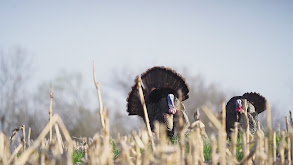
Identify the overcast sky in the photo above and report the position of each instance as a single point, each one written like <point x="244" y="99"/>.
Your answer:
<point x="242" y="45"/>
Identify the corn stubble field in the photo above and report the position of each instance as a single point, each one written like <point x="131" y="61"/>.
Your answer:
<point x="54" y="145"/>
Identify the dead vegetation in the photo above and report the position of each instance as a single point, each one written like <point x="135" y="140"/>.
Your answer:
<point x="55" y="145"/>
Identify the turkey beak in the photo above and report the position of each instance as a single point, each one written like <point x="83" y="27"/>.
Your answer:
<point x="171" y="105"/>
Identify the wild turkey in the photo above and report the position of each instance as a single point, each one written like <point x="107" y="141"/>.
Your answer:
<point x="164" y="90"/>
<point x="251" y="102"/>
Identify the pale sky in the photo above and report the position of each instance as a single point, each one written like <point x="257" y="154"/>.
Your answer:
<point x="242" y="45"/>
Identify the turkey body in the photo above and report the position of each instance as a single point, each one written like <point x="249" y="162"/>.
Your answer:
<point x="162" y="88"/>
<point x="252" y="103"/>
<point x="158" y="111"/>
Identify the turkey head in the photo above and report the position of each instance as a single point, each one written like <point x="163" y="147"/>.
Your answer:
<point x="162" y="89"/>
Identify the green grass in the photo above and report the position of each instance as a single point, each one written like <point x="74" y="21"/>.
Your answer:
<point x="239" y="153"/>
<point x="174" y="140"/>
<point x="206" y="148"/>
<point x="115" y="150"/>
<point x="207" y="151"/>
<point x="77" y="156"/>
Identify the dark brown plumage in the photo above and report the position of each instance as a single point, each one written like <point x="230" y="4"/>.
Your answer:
<point x="258" y="101"/>
<point x="157" y="83"/>
<point x="252" y="102"/>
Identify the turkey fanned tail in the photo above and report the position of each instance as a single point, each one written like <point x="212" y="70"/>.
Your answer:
<point x="134" y="106"/>
<point x="258" y="101"/>
<point x="157" y="82"/>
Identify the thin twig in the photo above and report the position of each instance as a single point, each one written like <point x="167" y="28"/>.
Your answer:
<point x="146" y="116"/>
<point x="274" y="147"/>
<point x="99" y="97"/>
<point x="291" y="117"/>
<point x="287" y="124"/>
<point x="15" y="152"/>
<point x="50" y="113"/>
<point x="4" y="149"/>
<point x="59" y="139"/>
<point x="224" y="115"/>
<point x="29" y="136"/>
<point x="222" y="134"/>
<point x="23" y="137"/>
<point x="270" y="134"/>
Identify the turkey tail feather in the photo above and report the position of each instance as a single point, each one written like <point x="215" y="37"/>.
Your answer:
<point x="134" y="106"/>
<point x="159" y="77"/>
<point x="156" y="82"/>
<point x="258" y="101"/>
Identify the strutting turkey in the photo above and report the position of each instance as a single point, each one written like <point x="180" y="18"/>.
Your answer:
<point x="164" y="90"/>
<point x="253" y="103"/>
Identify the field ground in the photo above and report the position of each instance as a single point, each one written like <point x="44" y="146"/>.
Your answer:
<point x="55" y="146"/>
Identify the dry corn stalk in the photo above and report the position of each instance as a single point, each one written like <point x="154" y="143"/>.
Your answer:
<point x="29" y="136"/>
<point x="146" y="116"/>
<point x="99" y="97"/>
<point x="59" y="139"/>
<point x="4" y="149"/>
<point x="55" y="119"/>
<point x="50" y="112"/>
<point x="23" y="137"/>
<point x="221" y="134"/>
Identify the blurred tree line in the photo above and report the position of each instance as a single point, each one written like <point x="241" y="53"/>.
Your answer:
<point x="19" y="105"/>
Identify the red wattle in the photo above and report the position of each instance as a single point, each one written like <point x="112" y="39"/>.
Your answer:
<point x="238" y="109"/>
<point x="172" y="111"/>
